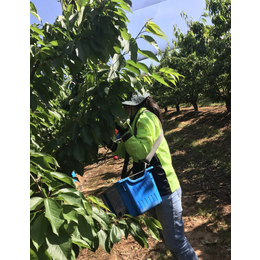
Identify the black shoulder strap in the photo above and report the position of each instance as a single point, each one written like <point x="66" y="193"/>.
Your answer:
<point x="124" y="172"/>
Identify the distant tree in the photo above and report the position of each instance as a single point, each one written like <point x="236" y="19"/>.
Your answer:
<point x="203" y="57"/>
<point x="187" y="58"/>
<point x="219" y="88"/>
<point x="167" y="96"/>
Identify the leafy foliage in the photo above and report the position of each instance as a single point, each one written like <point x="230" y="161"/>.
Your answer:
<point x="78" y="78"/>
<point x="63" y="220"/>
<point x="203" y="57"/>
<point x="220" y="80"/>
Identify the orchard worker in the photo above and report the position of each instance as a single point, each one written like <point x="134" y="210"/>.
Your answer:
<point x="137" y="142"/>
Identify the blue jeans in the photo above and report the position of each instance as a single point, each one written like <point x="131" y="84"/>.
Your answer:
<point x="169" y="213"/>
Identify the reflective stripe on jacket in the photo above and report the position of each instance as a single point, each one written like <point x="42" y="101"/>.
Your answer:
<point x="138" y="147"/>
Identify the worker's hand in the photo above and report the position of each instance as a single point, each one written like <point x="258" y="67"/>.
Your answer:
<point x="121" y="129"/>
<point x="111" y="145"/>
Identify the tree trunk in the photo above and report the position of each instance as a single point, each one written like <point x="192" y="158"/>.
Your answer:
<point x="194" y="103"/>
<point x="228" y="104"/>
<point x="177" y="107"/>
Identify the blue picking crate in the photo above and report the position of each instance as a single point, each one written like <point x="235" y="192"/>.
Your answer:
<point x="133" y="197"/>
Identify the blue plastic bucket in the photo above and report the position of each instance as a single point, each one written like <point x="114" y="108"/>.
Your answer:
<point x="133" y="197"/>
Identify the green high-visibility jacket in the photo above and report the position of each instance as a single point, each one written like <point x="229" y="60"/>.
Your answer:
<point x="138" y="142"/>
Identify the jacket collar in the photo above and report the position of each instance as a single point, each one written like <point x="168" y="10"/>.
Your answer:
<point x="136" y="114"/>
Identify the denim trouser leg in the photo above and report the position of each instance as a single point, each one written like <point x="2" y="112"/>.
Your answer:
<point x="169" y="213"/>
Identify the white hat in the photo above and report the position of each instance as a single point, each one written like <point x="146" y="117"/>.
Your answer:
<point x="136" y="99"/>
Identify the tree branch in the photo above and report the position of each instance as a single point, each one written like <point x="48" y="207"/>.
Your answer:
<point x="38" y="186"/>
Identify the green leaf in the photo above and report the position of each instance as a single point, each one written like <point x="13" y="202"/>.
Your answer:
<point x="124" y="33"/>
<point x="104" y="241"/>
<point x="66" y="33"/>
<point x="33" y="255"/>
<point x="79" y="151"/>
<point x="135" y="83"/>
<point x="133" y="69"/>
<point x="33" y="102"/>
<point x="69" y="213"/>
<point x="112" y="74"/>
<point x="72" y="190"/>
<point x="35" y="202"/>
<point x="51" y="145"/>
<point x="151" y="228"/>
<point x="86" y="135"/>
<point x="32" y="7"/>
<point x="59" y="247"/>
<point x="133" y="49"/>
<point x="87" y="207"/>
<point x="139" y="235"/>
<point x="115" y="234"/>
<point x="85" y="228"/>
<point x="124" y="227"/>
<point x="82" y="50"/>
<point x="124" y="6"/>
<point x="37" y="30"/>
<point x="36" y="15"/>
<point x="57" y="43"/>
<point x="170" y="71"/>
<point x="72" y="19"/>
<point x="138" y="65"/>
<point x="151" y="41"/>
<point x="55" y="114"/>
<point x="74" y="65"/>
<point x="63" y="177"/>
<point x="34" y="12"/>
<point x="148" y="54"/>
<point x="155" y="29"/>
<point x="68" y="47"/>
<point x="71" y="199"/>
<point x="138" y="239"/>
<point x="101" y="217"/>
<point x="80" y="16"/>
<point x="125" y="45"/>
<point x="98" y="202"/>
<point x="83" y="2"/>
<point x="76" y="239"/>
<point x="156" y="223"/>
<point x="100" y="73"/>
<point x="43" y="254"/>
<point x="118" y="111"/>
<point x="118" y="62"/>
<point x="57" y="63"/>
<point x="44" y="161"/>
<point x="38" y="231"/>
<point x="160" y="79"/>
<point x="170" y="75"/>
<point x="96" y="130"/>
<point x="102" y="236"/>
<point x="53" y="214"/>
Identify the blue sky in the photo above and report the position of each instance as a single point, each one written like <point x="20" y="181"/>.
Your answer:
<point x="165" y="14"/>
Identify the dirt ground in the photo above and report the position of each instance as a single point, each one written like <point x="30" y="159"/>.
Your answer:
<point x="201" y="168"/>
